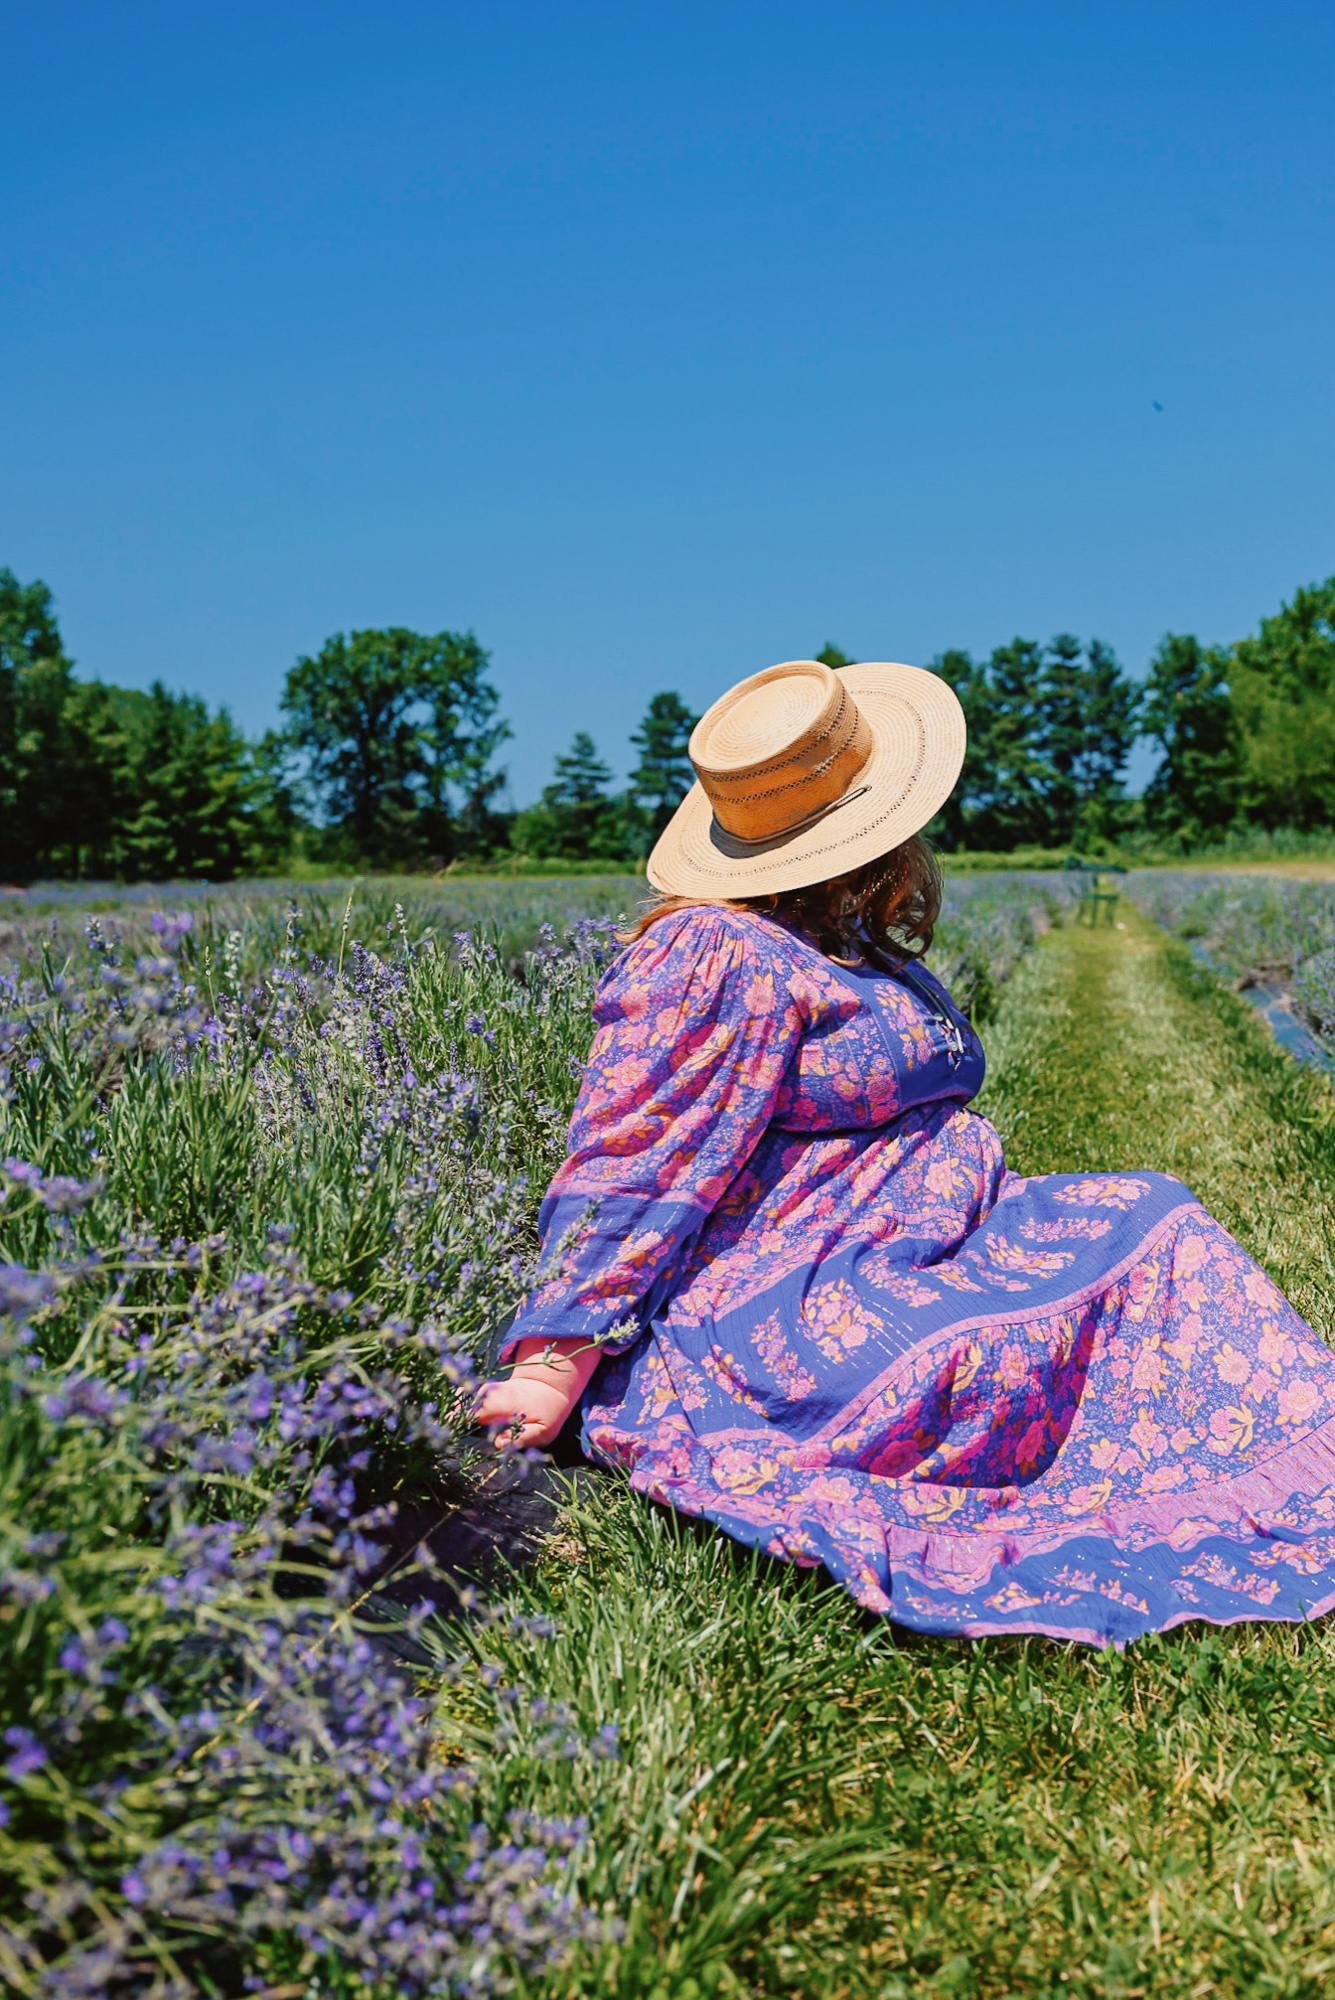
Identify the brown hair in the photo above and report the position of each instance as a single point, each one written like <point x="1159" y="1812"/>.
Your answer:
<point x="894" y="901"/>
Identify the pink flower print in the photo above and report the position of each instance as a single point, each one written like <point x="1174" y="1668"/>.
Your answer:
<point x="1274" y="1348"/>
<point x="1182" y="1439"/>
<point x="1191" y="1252"/>
<point x="1108" y="1191"/>
<point x="1230" y="1429"/>
<point x="1298" y="1400"/>
<point x="1230" y="1366"/>
<point x="739" y="1471"/>
<point x="1088" y="1499"/>
<point x="1147" y="1375"/>
<point x="1147" y="1435"/>
<point x="1142" y="1282"/>
<point x="835" y="1488"/>
<point x="1162" y="1478"/>
<point x="1014" y="1365"/>
<point x="1194" y="1293"/>
<point x="950" y="1274"/>
<point x="724" y="1371"/>
<point x="906" y="1285"/>
<point x="1190" y="1333"/>
<point x="1103" y="1453"/>
<point x="837" y="1320"/>
<point x="1014" y="1257"/>
<point x="1030" y="1447"/>
<point x="1012" y="1597"/>
<point x="760" y="994"/>
<point x="1129" y="1459"/>
<point x="931" y="1503"/>
<point x="1066" y="1226"/>
<point x="772" y="1347"/>
<point x="941" y="1177"/>
<point x="1258" y="1288"/>
<point x="967" y="1364"/>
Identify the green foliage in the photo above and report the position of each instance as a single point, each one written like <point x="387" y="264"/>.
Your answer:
<point x="576" y="819"/>
<point x="1283" y="688"/>
<point x="36" y="781"/>
<point x="1050" y="732"/>
<point x="395" y="726"/>
<point x="1188" y="711"/>
<point x="98" y="780"/>
<point x="664" y="773"/>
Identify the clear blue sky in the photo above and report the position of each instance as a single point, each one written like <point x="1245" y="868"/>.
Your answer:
<point x="658" y="343"/>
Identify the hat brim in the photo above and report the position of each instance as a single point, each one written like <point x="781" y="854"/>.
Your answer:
<point x="919" y="735"/>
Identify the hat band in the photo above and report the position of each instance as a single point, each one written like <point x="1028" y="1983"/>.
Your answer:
<point x="765" y="811"/>
<point x="763" y="840"/>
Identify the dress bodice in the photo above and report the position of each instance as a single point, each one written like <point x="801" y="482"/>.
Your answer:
<point x="880" y="1040"/>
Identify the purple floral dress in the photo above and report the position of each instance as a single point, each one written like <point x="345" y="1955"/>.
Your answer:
<point x="838" y="1326"/>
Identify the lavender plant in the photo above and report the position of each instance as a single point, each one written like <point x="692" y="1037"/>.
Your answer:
<point x="256" y="1218"/>
<point x="1257" y="930"/>
<point x="216" y="1762"/>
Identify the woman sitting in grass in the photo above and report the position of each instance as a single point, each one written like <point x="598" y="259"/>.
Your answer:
<point x="794" y="1287"/>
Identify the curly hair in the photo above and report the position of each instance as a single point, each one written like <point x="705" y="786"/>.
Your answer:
<point x="894" y="902"/>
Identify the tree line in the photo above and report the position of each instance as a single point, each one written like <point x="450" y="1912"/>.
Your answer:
<point x="388" y="751"/>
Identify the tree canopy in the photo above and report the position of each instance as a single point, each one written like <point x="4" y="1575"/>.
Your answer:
<point x="393" y="725"/>
<point x="388" y="754"/>
<point x="664" y="773"/>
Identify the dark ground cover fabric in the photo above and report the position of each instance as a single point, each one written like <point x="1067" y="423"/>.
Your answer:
<point x="837" y="1325"/>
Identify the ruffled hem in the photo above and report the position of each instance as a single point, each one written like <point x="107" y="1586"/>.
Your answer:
<point x="1258" y="1546"/>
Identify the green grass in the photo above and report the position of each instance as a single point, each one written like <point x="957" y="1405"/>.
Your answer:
<point x="1020" y="1817"/>
<point x="806" y="1802"/>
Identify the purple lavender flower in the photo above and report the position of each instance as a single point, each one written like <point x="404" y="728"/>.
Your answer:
<point x="61" y="1194"/>
<point x="22" y="1292"/>
<point x="28" y="1753"/>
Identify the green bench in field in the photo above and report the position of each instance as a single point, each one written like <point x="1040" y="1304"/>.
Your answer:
<point x="1097" y="898"/>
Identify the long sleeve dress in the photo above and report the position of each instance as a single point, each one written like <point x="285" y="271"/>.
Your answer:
<point x="839" y="1327"/>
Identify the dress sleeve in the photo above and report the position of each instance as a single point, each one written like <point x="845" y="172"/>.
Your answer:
<point x="695" y="1028"/>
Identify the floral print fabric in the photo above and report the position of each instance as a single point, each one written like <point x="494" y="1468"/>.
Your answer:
<point x="839" y="1327"/>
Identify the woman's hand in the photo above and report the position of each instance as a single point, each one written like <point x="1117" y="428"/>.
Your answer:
<point x="531" y="1404"/>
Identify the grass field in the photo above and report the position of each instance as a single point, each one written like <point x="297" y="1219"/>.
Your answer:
<point x="223" y="1763"/>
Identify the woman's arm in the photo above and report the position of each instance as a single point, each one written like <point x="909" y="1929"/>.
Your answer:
<point x="696" y="1028"/>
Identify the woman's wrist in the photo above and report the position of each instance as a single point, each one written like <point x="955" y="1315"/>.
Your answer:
<point x="564" y="1364"/>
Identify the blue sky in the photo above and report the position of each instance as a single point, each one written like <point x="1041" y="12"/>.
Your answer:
<point x="660" y="343"/>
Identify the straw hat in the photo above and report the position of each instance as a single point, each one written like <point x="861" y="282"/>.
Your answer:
<point x="805" y="773"/>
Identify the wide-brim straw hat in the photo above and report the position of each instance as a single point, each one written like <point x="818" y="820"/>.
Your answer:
<point x="804" y="773"/>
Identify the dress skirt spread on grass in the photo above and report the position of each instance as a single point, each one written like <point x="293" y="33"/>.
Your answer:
<point x="840" y="1327"/>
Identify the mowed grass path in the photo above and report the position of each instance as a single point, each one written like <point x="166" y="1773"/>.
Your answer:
<point x="809" y="1803"/>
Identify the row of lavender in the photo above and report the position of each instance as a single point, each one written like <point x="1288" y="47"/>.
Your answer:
<point x="1271" y="936"/>
<point x="261" y="1201"/>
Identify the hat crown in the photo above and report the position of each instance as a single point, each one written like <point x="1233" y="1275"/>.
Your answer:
<point x="778" y="748"/>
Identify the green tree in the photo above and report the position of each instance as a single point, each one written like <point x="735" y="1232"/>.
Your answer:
<point x="1088" y="720"/>
<point x="1050" y="732"/>
<point x="35" y="683"/>
<point x="1283" y="690"/>
<point x="831" y="656"/>
<point x="1013" y="808"/>
<point x="393" y="724"/>
<point x="1196" y="793"/>
<point x="954" y="825"/>
<point x="191" y="789"/>
<point x="576" y="819"/>
<point x="664" y="773"/>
